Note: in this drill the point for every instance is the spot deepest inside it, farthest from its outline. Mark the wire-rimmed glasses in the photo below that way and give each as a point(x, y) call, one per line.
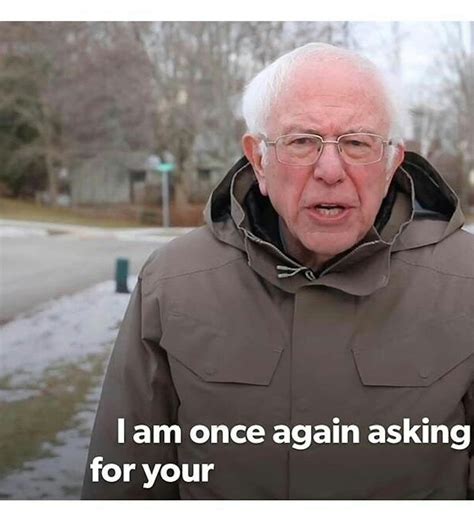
point(301, 149)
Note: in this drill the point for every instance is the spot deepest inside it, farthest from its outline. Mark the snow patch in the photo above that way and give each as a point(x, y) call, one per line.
point(61, 331)
point(59, 475)
point(21, 232)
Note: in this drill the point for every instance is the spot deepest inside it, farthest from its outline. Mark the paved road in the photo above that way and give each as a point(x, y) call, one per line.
point(35, 269)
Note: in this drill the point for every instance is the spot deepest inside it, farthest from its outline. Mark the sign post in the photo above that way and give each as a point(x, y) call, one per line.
point(165, 168)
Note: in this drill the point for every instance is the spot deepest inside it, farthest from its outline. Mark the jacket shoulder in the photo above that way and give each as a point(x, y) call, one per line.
point(194, 252)
point(452, 256)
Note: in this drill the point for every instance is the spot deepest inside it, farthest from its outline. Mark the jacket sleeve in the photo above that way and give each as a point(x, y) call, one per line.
point(137, 387)
point(469, 407)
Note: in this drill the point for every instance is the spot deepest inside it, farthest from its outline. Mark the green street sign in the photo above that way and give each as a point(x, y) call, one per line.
point(166, 168)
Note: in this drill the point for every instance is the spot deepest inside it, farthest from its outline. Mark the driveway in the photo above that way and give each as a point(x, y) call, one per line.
point(40, 262)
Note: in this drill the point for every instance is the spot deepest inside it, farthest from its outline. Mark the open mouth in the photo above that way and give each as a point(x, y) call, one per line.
point(329, 210)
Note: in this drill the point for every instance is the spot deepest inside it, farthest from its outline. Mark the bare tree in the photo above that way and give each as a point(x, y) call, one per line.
point(26, 79)
point(142, 86)
point(456, 94)
point(91, 90)
point(200, 69)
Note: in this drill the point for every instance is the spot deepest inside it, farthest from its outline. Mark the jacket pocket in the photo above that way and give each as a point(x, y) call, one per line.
point(217, 356)
point(415, 358)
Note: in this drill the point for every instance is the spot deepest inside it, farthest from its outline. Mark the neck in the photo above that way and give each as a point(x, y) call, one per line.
point(296, 250)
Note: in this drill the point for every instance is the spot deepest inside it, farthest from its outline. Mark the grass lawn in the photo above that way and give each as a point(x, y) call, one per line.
point(29, 210)
point(28, 423)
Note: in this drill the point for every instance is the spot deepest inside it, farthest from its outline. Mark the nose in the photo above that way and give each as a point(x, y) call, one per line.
point(330, 166)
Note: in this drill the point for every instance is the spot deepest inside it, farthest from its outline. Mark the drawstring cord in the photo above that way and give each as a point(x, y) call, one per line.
point(290, 271)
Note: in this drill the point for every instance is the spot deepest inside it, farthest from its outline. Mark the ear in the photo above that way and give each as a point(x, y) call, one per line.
point(251, 147)
point(396, 162)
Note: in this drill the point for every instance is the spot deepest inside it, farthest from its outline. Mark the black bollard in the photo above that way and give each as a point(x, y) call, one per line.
point(121, 275)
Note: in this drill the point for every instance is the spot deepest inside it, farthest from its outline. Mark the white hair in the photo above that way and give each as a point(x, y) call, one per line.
point(262, 91)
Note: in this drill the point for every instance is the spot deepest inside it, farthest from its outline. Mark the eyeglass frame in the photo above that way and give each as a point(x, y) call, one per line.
point(273, 143)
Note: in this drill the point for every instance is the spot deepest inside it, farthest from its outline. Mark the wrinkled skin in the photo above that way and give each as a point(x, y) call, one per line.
point(327, 98)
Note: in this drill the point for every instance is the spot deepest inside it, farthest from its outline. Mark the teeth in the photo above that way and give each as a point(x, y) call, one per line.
point(332, 211)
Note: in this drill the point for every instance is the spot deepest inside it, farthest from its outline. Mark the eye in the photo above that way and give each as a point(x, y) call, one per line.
point(356, 142)
point(300, 141)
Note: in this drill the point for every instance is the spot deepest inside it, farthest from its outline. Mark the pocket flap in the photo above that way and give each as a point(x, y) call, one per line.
point(216, 356)
point(417, 358)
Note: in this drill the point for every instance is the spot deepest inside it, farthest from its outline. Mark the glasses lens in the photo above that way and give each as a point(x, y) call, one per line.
point(361, 148)
point(298, 149)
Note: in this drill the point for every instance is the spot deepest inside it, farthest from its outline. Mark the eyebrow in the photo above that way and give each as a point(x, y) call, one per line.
point(298, 129)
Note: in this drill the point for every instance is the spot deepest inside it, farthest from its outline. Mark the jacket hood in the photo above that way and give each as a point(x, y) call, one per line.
point(420, 209)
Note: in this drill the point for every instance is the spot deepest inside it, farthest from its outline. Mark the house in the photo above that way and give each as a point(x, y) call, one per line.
point(116, 177)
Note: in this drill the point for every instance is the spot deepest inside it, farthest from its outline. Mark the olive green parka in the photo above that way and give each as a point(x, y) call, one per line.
point(223, 328)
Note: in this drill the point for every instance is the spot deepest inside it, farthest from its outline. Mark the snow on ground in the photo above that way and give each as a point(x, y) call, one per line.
point(17, 232)
point(58, 476)
point(19, 229)
point(61, 331)
point(149, 235)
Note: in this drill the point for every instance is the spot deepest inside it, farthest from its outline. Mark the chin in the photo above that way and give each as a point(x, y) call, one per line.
point(330, 246)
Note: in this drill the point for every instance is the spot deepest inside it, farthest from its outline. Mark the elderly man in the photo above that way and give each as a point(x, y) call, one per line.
point(332, 285)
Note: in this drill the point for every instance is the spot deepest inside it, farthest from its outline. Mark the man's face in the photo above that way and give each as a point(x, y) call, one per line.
point(327, 99)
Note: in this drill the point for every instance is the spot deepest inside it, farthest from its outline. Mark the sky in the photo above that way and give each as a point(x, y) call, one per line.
point(421, 45)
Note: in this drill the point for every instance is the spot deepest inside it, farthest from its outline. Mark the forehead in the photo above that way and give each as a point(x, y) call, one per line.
point(330, 98)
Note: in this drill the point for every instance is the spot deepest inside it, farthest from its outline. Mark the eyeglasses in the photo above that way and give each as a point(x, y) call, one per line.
point(306, 149)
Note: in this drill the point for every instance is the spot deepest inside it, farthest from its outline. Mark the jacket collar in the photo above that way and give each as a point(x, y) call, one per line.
point(360, 271)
